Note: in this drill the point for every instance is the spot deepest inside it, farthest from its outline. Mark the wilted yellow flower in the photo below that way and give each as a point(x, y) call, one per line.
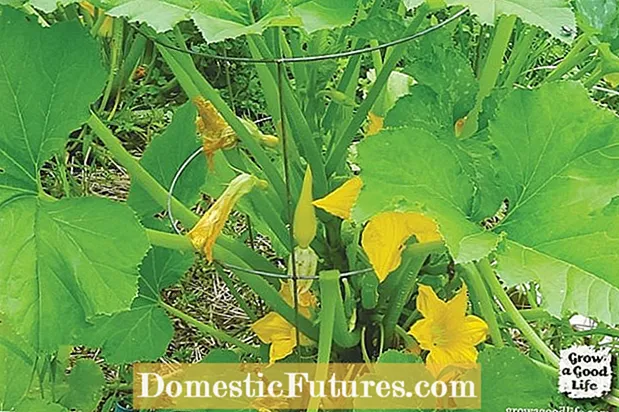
point(305, 224)
point(376, 124)
point(447, 331)
point(341, 201)
point(277, 331)
point(205, 232)
point(385, 236)
point(215, 131)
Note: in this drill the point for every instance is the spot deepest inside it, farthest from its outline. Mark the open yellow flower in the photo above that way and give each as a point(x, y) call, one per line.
point(447, 331)
point(205, 232)
point(277, 331)
point(385, 236)
point(341, 201)
point(215, 131)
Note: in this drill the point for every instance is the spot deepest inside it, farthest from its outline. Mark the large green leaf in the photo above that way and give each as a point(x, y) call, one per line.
point(435, 62)
point(324, 14)
point(600, 17)
point(560, 153)
point(218, 20)
point(511, 380)
point(551, 15)
point(410, 169)
point(17, 361)
point(39, 405)
point(61, 262)
point(555, 161)
point(84, 386)
point(163, 158)
point(143, 332)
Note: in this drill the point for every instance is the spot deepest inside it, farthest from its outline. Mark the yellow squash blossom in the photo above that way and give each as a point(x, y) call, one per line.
point(385, 236)
point(375, 124)
point(205, 232)
point(273, 329)
point(215, 132)
point(446, 331)
point(304, 223)
point(341, 201)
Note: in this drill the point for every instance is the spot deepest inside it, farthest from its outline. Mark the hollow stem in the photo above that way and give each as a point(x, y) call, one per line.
point(211, 330)
point(343, 141)
point(491, 70)
point(169, 240)
point(580, 51)
point(137, 172)
point(534, 340)
point(327, 324)
point(480, 292)
point(412, 261)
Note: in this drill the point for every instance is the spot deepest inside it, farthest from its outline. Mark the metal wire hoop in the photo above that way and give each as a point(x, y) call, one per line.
point(175, 180)
point(308, 59)
point(280, 61)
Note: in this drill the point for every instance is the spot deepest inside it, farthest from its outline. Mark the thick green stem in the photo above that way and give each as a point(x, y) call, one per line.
point(115, 60)
point(495, 286)
point(301, 131)
point(327, 323)
point(480, 292)
point(342, 142)
point(169, 240)
point(211, 330)
point(520, 56)
point(331, 293)
point(491, 70)
point(412, 261)
point(579, 53)
point(234, 253)
point(595, 77)
point(137, 172)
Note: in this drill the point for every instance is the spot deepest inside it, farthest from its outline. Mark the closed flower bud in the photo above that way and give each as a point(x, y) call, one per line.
point(304, 225)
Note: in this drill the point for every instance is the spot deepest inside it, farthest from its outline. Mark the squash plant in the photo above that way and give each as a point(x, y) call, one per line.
point(405, 179)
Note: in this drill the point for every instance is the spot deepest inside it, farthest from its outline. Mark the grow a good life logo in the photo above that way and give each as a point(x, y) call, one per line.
point(297, 386)
point(585, 372)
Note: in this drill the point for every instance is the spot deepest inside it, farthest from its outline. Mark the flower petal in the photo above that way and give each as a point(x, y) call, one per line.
point(276, 330)
point(456, 355)
point(422, 332)
point(429, 304)
point(384, 237)
point(272, 327)
point(475, 330)
point(341, 201)
point(457, 306)
point(281, 348)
